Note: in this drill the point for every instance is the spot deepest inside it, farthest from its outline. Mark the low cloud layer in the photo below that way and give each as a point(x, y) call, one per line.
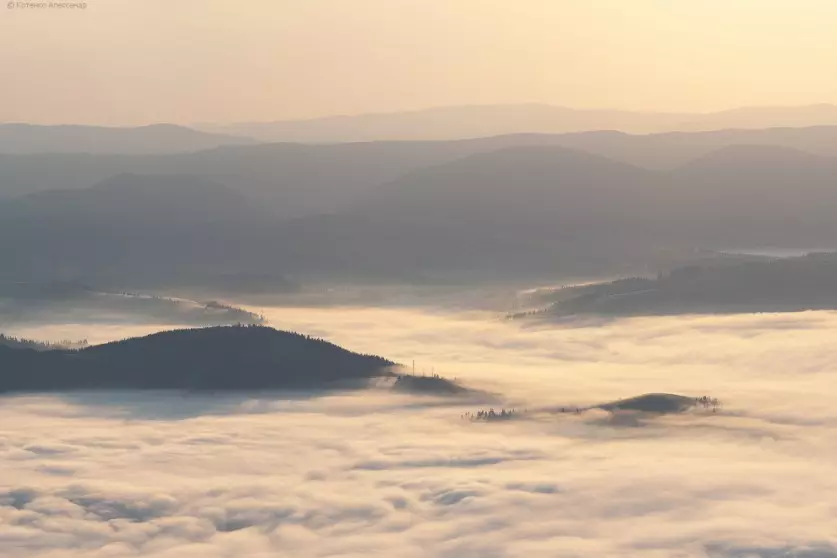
point(378, 474)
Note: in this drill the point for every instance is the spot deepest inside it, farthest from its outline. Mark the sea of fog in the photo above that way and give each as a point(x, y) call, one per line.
point(369, 474)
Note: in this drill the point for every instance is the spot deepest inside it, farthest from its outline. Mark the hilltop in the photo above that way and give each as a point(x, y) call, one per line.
point(216, 358)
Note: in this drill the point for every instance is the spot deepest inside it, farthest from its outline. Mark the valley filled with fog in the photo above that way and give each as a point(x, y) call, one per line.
point(375, 473)
point(417, 279)
point(546, 297)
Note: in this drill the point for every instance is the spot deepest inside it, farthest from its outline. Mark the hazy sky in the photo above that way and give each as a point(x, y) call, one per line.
point(141, 61)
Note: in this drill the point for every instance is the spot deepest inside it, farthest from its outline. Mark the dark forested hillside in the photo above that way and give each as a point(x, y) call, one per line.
point(219, 358)
point(20, 343)
point(778, 285)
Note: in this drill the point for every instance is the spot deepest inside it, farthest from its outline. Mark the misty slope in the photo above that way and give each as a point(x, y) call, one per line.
point(781, 285)
point(541, 210)
point(671, 150)
point(219, 358)
point(758, 196)
point(138, 200)
point(460, 122)
point(763, 117)
point(517, 212)
point(40, 301)
point(514, 211)
point(291, 180)
point(143, 227)
point(158, 138)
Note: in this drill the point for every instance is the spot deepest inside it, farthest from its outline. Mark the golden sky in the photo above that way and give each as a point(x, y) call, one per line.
point(142, 61)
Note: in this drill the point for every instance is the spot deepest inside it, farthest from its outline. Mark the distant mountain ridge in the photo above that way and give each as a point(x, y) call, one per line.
point(555, 211)
point(294, 180)
point(152, 139)
point(457, 209)
point(473, 121)
point(144, 228)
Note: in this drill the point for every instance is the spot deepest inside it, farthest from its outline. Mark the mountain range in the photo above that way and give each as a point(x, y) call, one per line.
point(435, 124)
point(460, 122)
point(157, 138)
point(769, 285)
point(515, 212)
point(295, 180)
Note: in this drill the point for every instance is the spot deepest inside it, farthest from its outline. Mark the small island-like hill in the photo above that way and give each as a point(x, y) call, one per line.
point(215, 358)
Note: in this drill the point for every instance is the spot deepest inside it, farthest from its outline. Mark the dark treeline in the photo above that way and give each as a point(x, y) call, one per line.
point(19, 343)
point(26, 301)
point(218, 358)
point(430, 385)
point(490, 415)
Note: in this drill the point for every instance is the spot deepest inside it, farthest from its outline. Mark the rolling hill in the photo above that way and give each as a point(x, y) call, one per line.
point(518, 212)
point(137, 228)
point(770, 285)
point(294, 180)
point(216, 359)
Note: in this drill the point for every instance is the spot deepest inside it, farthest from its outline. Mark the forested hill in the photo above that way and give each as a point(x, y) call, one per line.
point(20, 343)
point(777, 285)
point(217, 358)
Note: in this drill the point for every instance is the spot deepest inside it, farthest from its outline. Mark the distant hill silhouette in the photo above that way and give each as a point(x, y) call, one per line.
point(72, 302)
point(294, 180)
point(777, 285)
point(508, 212)
point(511, 213)
point(750, 195)
point(456, 122)
point(158, 138)
point(144, 200)
point(670, 150)
point(763, 117)
point(461, 122)
point(20, 343)
point(219, 358)
point(290, 180)
point(553, 211)
point(657, 403)
point(153, 230)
